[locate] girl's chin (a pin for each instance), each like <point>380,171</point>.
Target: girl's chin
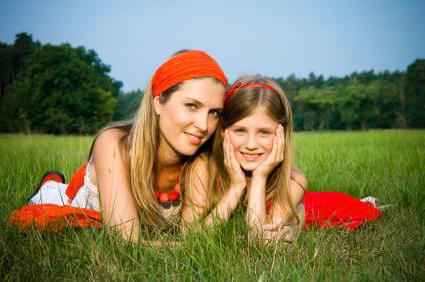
<point>250,167</point>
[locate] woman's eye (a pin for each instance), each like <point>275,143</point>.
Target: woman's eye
<point>215,114</point>
<point>239,131</point>
<point>191,106</point>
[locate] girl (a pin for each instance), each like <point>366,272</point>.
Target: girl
<point>133,172</point>
<point>251,163</point>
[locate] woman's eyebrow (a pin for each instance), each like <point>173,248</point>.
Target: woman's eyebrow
<point>194,101</point>
<point>199,103</point>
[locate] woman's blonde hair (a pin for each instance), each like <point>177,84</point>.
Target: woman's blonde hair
<point>139,145</point>
<point>244,102</point>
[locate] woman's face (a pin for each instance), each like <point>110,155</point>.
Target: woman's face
<point>190,116</point>
<point>252,139</point>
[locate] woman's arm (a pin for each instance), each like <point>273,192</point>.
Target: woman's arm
<point>117,203</point>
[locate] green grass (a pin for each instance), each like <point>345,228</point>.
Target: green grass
<point>386,164</point>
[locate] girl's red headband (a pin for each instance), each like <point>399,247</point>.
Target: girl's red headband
<point>184,66</point>
<point>235,87</point>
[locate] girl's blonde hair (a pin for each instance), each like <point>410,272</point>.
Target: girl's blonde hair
<point>244,102</point>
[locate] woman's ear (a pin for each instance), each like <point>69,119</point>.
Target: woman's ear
<point>157,107</point>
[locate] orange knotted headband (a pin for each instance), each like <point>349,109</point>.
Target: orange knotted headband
<point>184,66</point>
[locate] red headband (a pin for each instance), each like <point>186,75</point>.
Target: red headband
<point>184,66</point>
<point>235,87</point>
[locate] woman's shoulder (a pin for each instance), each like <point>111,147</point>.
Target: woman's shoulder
<point>109,140</point>
<point>112,134</point>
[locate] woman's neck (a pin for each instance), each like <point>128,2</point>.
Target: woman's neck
<point>167,167</point>
<point>167,157</point>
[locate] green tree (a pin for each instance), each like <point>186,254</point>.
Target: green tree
<point>414,92</point>
<point>358,105</point>
<point>59,92</point>
<point>318,106</point>
<point>128,103</point>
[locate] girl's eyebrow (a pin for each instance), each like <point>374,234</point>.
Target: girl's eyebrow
<point>266,128</point>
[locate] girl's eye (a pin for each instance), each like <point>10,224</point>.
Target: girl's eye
<point>265,133</point>
<point>191,106</point>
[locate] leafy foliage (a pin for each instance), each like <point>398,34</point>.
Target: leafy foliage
<point>60,90</point>
<point>66,90</point>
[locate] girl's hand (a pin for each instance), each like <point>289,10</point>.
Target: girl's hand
<point>276,155</point>
<point>237,176</point>
<point>277,231</point>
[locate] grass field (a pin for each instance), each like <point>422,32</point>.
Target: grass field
<point>389,165</point>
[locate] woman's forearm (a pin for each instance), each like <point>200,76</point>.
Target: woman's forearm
<point>226,205</point>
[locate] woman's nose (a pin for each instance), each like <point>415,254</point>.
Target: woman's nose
<point>201,122</point>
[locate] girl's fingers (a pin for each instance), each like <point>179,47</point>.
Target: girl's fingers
<point>273,153</point>
<point>273,226</point>
<point>226,149</point>
<point>235,162</point>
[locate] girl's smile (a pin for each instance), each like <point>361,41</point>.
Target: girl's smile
<point>252,137</point>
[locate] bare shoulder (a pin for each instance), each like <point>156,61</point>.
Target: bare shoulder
<point>110,136</point>
<point>108,141</point>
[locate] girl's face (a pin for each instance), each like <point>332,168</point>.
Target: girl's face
<point>252,139</point>
<point>190,116</point>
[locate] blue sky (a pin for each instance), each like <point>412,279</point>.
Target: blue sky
<point>274,38</point>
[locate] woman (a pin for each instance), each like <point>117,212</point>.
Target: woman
<point>254,138</point>
<point>133,173</point>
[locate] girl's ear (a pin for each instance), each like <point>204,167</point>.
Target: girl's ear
<point>157,107</point>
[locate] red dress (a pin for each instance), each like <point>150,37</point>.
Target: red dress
<point>56,217</point>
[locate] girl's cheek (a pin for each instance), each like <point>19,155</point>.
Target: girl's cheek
<point>268,143</point>
<point>236,140</point>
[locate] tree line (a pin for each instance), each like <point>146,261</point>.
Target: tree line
<point>60,89</point>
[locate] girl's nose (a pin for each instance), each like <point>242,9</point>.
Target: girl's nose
<point>251,142</point>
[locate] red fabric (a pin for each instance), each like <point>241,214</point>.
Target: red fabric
<point>52,177</point>
<point>76,182</point>
<point>53,217</point>
<point>336,209</point>
<point>184,66</point>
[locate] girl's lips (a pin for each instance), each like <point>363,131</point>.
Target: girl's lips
<point>251,157</point>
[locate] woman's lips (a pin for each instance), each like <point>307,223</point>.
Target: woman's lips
<point>194,139</point>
